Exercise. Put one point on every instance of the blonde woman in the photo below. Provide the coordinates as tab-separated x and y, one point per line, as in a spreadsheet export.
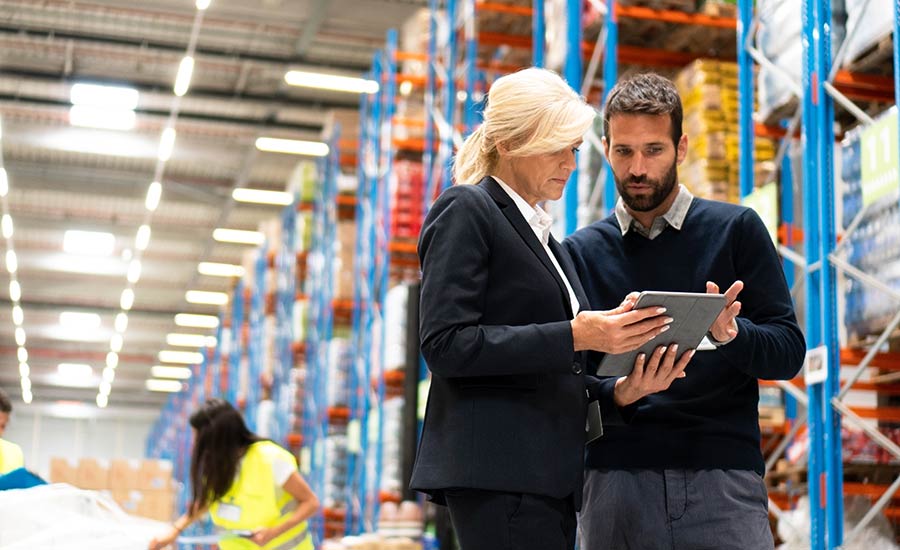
505	329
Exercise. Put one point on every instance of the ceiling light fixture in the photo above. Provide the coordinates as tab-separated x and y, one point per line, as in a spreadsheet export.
170	386
12	263
75	370
18	315
180	357
178	373
134	271
7	226
183	80
121	322
94	243
109	374
206	298
142	240
203	4
154	192
22	354
20	336
220	270
166	144
262	196
196	321
99	95
79	320
190	340
24	371
112	359
115	343
15	291
127	299
238	236
338	83
4	182
89	116
102	400
292	146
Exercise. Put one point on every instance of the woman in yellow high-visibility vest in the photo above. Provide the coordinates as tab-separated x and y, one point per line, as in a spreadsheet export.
11	457
249	485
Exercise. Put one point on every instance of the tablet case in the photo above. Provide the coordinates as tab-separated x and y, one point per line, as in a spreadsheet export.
693	314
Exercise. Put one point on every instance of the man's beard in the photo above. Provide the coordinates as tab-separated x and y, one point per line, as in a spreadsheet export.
661	190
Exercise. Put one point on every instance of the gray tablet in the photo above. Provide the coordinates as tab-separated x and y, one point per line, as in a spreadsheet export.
693	314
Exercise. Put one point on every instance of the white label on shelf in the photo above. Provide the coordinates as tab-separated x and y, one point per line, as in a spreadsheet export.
880	152
815	368
354	437
305	461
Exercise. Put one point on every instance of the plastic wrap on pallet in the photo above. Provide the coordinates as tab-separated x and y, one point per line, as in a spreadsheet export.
340	362
391	470
794	527
303	181
872	26
395	327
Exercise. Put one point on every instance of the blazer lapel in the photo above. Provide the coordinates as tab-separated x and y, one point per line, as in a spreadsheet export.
512	213
569	269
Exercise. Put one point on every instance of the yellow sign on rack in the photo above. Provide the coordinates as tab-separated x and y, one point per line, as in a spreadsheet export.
765	201
879	146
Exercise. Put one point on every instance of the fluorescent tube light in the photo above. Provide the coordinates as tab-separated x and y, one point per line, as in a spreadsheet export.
4	182
112	359
181	357
20	336
79	320
18	315
26	397
190	340
196	321
105	388
134	271
94	243
262	196
153	194
7	225
97	95
166	144
24	371
115	343
89	116
238	236
142	240
220	270
15	291
203	4
121	322
26	385
183	80
334	82
12	263
178	373
75	370
102	400
170	386
127	299
406	88
22	354
207	298
292	146
109	374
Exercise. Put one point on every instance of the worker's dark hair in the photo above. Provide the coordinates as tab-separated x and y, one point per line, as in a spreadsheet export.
645	94
220	440
5	403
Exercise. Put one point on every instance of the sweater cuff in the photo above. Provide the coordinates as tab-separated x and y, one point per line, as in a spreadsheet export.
737	347
602	390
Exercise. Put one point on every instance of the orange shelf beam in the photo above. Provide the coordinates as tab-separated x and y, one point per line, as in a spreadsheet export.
888	360
403	247
503	8
677	17
884	414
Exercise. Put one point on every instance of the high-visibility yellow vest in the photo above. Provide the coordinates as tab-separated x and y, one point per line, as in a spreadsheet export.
10	456
250	503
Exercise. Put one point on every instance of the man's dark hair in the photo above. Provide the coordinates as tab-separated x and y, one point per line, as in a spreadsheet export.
645	94
5	403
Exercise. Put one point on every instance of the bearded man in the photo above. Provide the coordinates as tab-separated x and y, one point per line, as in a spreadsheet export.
687	471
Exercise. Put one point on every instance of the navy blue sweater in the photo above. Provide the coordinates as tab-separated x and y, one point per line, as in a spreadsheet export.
708	420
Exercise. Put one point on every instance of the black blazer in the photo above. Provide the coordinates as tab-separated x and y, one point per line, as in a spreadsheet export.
507	405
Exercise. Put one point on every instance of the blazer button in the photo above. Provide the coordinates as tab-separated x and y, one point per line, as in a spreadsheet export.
576	368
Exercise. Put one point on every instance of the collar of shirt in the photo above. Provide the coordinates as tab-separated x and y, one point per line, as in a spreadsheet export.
539	221
674	217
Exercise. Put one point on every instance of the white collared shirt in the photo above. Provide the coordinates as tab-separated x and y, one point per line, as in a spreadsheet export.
540	222
674	217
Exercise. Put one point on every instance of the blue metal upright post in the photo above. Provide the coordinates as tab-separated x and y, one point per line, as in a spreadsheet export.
824	106
610	75
450	97
430	86
810	135
745	96
573	77
470	114
537	33
787	218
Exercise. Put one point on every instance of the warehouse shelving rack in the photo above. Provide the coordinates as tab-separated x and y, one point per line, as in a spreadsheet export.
822	85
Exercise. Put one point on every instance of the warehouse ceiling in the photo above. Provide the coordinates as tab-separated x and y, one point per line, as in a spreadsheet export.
63	177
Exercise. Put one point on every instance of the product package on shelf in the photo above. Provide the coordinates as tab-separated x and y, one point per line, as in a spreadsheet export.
343	262
871	45
303	181
340	361
391	449
395	314
414	35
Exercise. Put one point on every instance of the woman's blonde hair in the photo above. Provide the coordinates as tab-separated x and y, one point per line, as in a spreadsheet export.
531	112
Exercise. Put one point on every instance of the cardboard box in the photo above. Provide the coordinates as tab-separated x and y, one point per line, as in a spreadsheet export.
158	505
124	474
93	473
155	475
63	470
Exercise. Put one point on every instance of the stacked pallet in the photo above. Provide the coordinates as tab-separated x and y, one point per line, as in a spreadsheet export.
711	169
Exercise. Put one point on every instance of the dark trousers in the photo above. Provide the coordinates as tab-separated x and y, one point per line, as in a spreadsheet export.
490	520
675	510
